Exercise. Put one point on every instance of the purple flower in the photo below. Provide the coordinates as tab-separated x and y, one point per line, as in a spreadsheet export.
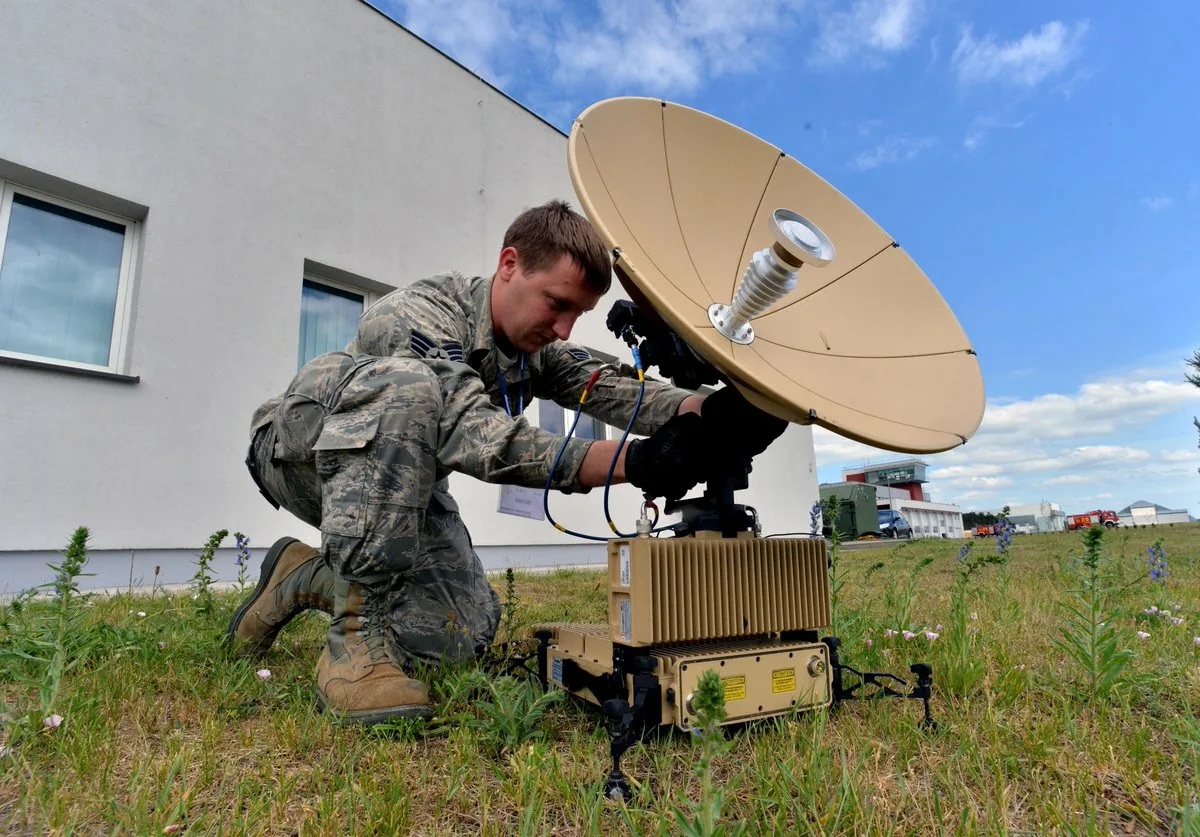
1143	635
909	635
243	550
868	643
1157	560
931	635
814	519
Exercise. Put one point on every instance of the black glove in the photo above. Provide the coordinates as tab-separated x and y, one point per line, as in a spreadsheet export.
668	463
736	430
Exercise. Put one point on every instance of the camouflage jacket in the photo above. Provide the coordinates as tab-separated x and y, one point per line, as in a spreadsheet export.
445	321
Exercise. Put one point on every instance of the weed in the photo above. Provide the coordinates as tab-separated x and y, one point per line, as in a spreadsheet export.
242	560
1089	638
511	711
202	580
704	818
965	666
836	581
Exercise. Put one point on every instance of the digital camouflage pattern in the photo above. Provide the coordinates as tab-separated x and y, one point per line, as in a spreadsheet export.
361	444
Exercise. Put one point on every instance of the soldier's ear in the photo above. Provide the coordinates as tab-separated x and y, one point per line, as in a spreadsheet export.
509	264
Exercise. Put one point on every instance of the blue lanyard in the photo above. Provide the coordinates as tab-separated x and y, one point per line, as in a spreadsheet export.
504	389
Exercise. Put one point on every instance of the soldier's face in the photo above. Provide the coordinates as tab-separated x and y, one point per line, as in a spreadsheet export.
541	306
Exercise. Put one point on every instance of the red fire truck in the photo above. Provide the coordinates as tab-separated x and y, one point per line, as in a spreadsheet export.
1096	517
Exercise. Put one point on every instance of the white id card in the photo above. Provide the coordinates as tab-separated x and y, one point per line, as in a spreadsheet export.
521	501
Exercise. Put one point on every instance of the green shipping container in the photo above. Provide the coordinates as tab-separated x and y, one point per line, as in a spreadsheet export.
857	509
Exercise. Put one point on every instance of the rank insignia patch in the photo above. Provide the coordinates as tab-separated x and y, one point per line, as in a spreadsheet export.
424	346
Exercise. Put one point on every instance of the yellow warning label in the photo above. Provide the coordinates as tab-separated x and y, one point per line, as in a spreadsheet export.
735	687
783	680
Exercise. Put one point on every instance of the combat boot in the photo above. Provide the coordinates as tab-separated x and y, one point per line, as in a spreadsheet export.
357	678
294	577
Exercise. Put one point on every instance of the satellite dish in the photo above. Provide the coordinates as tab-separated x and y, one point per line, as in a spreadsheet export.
774	277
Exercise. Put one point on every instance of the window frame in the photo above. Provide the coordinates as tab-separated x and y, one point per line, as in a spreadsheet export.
369	298
119	341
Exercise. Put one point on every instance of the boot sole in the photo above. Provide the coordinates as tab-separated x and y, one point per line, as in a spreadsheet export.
373	717
264	575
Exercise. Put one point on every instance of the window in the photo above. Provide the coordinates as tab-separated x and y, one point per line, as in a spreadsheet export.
329	315
556	419
65	278
590	428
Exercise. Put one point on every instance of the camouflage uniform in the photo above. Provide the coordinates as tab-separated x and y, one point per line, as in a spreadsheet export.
361	444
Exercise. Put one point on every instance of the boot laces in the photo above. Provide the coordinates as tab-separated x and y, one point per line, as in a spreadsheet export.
372	630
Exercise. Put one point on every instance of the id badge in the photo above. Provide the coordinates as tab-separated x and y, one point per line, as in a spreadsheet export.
521	501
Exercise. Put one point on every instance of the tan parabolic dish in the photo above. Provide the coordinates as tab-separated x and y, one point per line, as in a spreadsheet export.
865	346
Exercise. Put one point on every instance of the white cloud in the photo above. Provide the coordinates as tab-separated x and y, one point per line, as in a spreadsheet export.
1068	479
868	30
982	126
1025	62
1157	202
668	46
664	45
472	31
895	150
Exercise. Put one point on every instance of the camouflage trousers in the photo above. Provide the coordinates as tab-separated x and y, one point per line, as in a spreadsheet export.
352	449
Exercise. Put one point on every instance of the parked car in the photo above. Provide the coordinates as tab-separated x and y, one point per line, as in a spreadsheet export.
892	524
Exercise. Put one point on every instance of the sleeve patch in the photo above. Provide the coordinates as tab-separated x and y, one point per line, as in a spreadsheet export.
424	346
579	354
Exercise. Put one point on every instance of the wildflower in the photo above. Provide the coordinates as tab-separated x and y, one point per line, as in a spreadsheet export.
141	614
263	674
243	550
52	721
909	635
1157	559
1020	667
1143	635
938	626
1196	642
931	635
814	519
889	633
867	642
962	553
1177	620
1150	611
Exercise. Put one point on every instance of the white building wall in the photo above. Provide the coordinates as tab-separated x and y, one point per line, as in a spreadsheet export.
291	133
1049	516
929	520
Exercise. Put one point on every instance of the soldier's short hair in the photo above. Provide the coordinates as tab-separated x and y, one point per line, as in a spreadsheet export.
542	235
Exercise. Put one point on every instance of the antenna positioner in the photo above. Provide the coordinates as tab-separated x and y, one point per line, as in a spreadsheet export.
772	273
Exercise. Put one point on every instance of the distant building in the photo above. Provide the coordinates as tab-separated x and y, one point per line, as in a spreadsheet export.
900	485
1143	513
907	475
1043	516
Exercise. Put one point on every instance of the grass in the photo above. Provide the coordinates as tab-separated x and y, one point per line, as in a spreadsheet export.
163	731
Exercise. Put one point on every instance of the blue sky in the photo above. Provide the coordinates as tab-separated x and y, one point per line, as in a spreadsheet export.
1037	160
